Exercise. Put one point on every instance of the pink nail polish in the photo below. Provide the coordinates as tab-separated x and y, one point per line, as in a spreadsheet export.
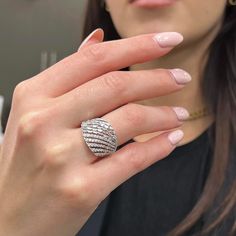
180	76
181	113
176	136
168	39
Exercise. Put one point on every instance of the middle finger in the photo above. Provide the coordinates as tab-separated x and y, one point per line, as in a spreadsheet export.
106	93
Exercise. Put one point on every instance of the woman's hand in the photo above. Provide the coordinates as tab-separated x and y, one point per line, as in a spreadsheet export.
50	182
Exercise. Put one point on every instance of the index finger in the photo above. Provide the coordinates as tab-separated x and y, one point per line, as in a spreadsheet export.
98	59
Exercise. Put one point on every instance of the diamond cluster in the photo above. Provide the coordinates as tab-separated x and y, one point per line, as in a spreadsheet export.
99	136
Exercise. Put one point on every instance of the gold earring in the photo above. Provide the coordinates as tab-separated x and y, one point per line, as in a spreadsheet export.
232	2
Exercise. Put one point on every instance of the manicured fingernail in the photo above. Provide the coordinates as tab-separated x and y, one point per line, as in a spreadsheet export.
168	39
180	76
90	36
176	136
181	113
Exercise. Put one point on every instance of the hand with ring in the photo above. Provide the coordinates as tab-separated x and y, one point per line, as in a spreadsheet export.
59	157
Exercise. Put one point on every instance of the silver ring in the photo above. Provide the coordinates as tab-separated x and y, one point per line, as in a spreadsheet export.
99	136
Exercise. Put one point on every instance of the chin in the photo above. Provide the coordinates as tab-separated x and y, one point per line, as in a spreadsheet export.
147	28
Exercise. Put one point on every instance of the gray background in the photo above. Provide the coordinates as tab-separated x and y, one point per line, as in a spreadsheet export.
33	35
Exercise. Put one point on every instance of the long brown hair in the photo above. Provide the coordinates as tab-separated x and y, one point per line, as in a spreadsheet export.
219	90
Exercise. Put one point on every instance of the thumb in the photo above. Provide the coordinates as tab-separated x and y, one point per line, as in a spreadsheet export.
96	36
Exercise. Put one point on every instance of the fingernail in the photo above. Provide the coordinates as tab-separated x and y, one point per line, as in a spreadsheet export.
181	76
175	136
89	37
168	39
181	113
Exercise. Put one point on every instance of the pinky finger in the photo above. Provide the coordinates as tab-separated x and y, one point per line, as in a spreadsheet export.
112	171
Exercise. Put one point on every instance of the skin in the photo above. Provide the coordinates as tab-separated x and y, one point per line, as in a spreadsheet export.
50	182
199	25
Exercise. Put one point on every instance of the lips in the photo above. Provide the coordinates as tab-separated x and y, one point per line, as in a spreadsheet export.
151	3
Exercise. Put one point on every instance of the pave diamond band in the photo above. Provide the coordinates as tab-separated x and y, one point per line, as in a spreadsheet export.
99	136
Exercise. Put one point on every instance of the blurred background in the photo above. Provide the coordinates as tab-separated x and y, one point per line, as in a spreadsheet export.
34	34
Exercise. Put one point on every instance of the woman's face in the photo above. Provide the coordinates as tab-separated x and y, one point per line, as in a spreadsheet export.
193	18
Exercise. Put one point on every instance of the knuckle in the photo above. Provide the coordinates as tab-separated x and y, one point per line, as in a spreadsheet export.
54	156
94	53
114	81
77	193
137	160
30	124
134	114
20	91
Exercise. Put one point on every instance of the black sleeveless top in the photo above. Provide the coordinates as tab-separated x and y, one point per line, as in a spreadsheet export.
154	201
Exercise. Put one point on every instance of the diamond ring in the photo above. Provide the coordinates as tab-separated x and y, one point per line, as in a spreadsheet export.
99	136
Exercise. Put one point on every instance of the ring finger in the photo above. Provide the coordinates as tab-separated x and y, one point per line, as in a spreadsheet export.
134	119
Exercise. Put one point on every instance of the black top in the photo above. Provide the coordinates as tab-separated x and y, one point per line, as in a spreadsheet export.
154	201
